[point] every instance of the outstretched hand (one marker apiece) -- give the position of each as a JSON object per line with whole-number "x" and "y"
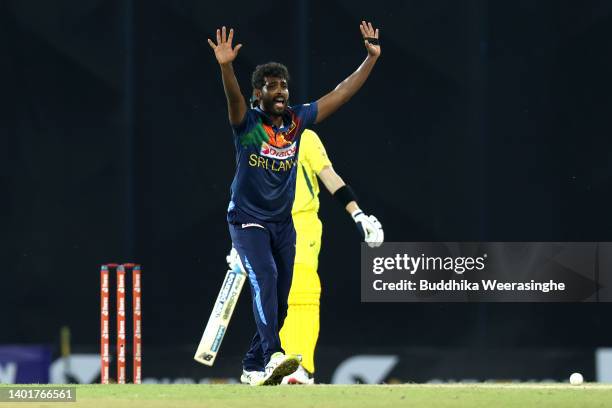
{"x": 370, "y": 38}
{"x": 223, "y": 48}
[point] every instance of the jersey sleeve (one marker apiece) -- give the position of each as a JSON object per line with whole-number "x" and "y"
{"x": 248, "y": 132}
{"x": 250, "y": 119}
{"x": 307, "y": 113}
{"x": 313, "y": 151}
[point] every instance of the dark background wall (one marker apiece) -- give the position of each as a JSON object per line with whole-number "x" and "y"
{"x": 483, "y": 120}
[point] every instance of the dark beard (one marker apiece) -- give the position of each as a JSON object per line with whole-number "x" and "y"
{"x": 269, "y": 108}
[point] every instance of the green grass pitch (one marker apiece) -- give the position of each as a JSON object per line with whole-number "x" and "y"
{"x": 336, "y": 396}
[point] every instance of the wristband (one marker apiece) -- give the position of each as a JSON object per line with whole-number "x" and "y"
{"x": 345, "y": 195}
{"x": 356, "y": 213}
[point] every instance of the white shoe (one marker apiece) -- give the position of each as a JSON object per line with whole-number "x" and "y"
{"x": 277, "y": 368}
{"x": 298, "y": 377}
{"x": 251, "y": 377}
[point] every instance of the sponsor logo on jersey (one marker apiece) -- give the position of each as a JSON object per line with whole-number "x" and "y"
{"x": 272, "y": 152}
{"x": 252, "y": 224}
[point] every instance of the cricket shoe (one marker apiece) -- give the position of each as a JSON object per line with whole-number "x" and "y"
{"x": 279, "y": 366}
{"x": 298, "y": 377}
{"x": 251, "y": 377}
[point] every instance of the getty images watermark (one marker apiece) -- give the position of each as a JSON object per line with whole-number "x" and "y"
{"x": 458, "y": 265}
{"x": 487, "y": 272}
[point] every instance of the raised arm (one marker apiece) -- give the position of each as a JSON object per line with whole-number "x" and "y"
{"x": 330, "y": 103}
{"x": 225, "y": 54}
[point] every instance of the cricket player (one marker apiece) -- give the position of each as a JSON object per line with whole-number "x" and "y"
{"x": 301, "y": 329}
{"x": 267, "y": 141}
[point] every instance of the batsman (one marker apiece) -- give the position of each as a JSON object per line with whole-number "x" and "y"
{"x": 301, "y": 329}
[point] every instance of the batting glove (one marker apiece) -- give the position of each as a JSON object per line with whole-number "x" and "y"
{"x": 370, "y": 228}
{"x": 233, "y": 259}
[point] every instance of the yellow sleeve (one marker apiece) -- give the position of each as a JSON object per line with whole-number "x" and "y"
{"x": 313, "y": 151}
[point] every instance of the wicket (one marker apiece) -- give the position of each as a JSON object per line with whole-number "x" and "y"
{"x": 121, "y": 326}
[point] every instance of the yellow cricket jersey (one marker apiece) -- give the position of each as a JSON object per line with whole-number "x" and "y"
{"x": 311, "y": 160}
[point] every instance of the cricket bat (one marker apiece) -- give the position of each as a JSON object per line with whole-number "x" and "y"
{"x": 220, "y": 316}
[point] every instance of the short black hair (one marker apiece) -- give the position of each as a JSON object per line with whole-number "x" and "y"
{"x": 271, "y": 69}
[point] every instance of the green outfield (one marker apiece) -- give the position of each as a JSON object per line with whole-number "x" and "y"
{"x": 322, "y": 396}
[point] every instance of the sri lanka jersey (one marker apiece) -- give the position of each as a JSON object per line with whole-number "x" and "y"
{"x": 266, "y": 162}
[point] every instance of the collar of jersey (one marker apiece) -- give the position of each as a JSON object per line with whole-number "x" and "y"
{"x": 268, "y": 121}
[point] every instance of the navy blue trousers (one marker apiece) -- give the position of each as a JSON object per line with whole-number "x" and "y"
{"x": 267, "y": 251}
